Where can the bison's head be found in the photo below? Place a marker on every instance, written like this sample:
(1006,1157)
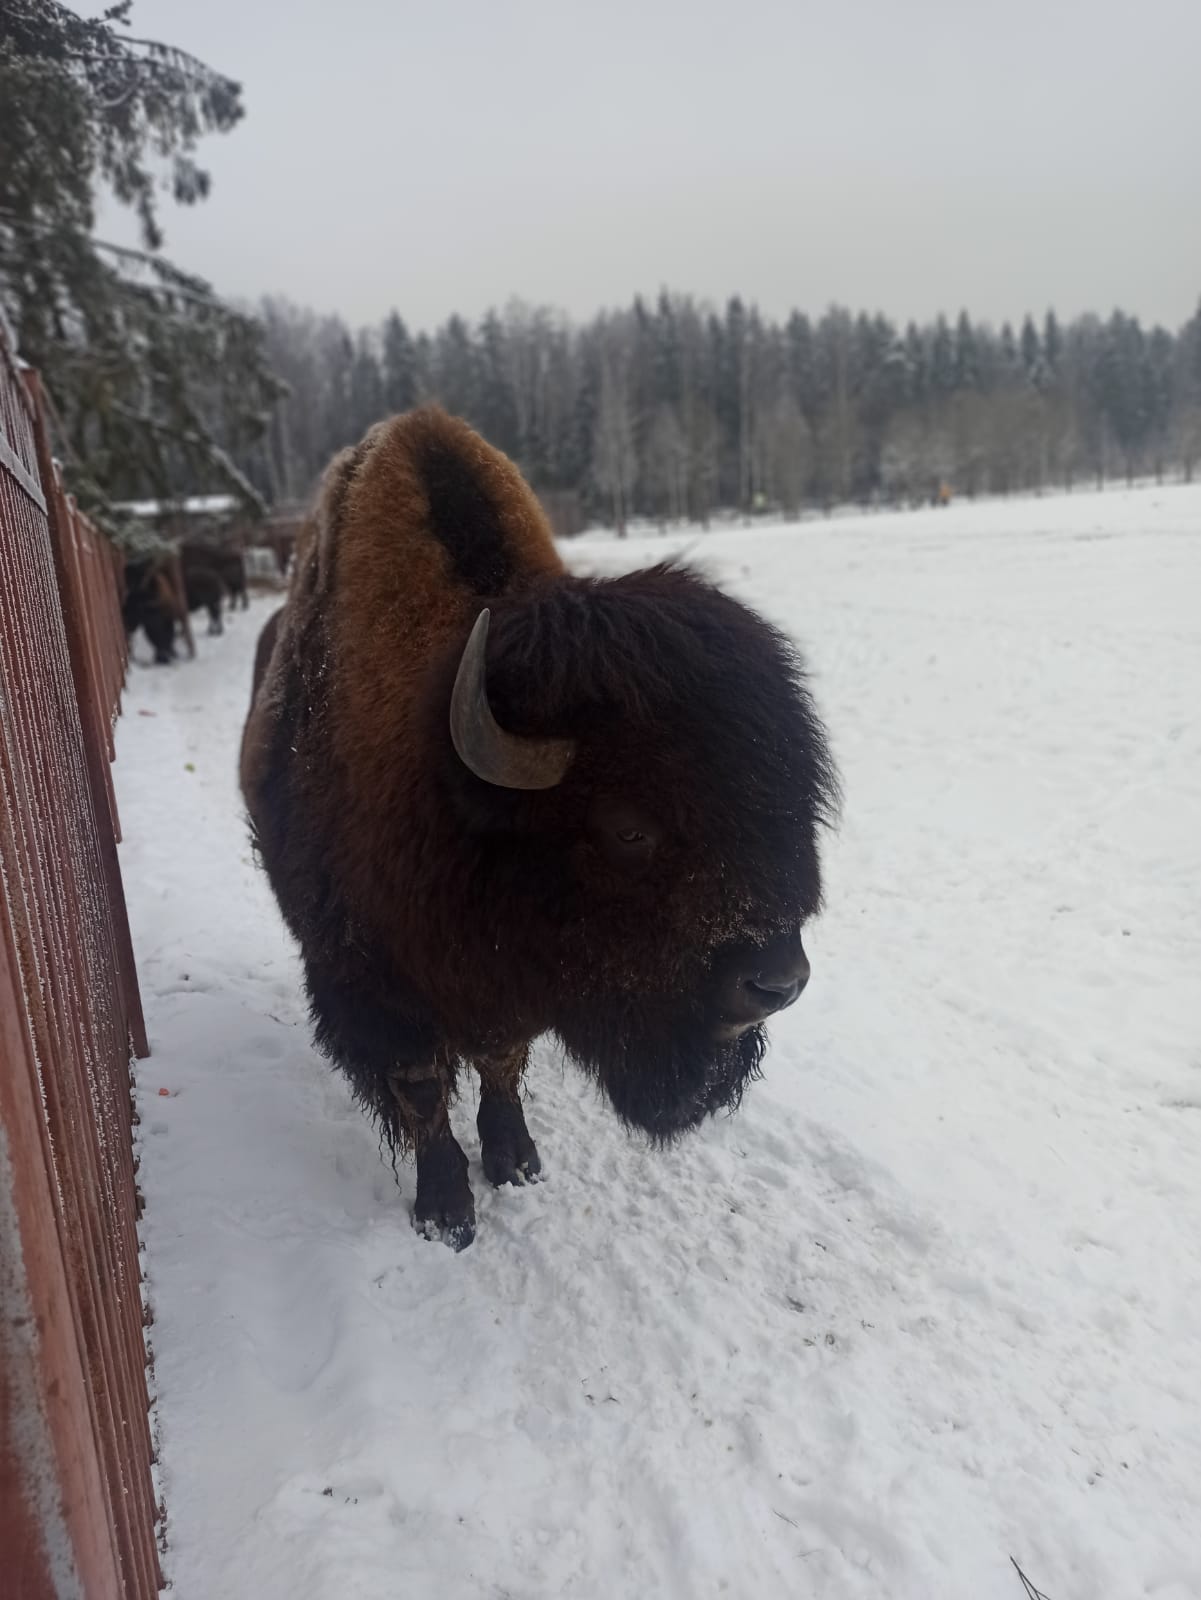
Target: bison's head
(643,775)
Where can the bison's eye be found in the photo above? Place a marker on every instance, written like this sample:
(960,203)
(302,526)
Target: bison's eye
(626,835)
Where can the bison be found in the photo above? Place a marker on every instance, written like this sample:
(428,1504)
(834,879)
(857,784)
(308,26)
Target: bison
(152,604)
(205,591)
(227,562)
(149,603)
(496,800)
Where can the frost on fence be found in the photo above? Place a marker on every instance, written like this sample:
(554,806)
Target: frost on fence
(69,1017)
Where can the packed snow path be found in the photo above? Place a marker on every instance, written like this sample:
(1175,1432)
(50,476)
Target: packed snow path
(930,1301)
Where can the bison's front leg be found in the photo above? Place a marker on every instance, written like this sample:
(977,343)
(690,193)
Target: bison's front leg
(402,1075)
(508,1153)
(445,1208)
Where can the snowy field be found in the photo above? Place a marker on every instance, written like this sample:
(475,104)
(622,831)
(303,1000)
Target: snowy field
(931,1301)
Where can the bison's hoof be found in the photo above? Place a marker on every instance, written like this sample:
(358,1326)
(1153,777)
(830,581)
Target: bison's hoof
(508,1153)
(445,1208)
(508,1162)
(449,1217)
(457,1233)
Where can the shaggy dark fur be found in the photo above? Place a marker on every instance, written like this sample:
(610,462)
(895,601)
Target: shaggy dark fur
(444,921)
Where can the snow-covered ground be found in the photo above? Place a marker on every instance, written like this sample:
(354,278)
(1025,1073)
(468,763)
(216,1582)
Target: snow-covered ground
(931,1301)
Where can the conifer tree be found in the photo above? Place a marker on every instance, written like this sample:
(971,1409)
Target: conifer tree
(398,363)
(158,386)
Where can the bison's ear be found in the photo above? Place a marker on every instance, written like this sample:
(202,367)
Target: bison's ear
(484,748)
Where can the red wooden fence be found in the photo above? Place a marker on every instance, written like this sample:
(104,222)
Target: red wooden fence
(77,1506)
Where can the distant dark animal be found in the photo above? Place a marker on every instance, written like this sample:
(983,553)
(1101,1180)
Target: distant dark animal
(227,562)
(233,575)
(149,604)
(205,592)
(495,800)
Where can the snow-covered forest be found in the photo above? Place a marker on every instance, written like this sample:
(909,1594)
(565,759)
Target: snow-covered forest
(671,409)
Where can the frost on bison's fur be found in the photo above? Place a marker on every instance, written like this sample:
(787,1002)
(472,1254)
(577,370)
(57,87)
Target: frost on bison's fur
(496,800)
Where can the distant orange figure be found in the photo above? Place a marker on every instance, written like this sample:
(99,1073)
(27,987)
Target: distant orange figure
(944,494)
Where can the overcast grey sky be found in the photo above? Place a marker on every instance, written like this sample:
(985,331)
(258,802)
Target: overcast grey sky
(906,155)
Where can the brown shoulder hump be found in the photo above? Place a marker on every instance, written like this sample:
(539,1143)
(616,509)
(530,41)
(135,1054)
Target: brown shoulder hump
(426,476)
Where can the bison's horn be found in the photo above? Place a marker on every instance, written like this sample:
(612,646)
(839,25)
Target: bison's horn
(483,746)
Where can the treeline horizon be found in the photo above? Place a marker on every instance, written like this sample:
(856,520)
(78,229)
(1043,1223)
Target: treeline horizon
(673,410)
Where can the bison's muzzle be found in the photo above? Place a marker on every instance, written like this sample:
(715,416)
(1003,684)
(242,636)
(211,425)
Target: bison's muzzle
(752,983)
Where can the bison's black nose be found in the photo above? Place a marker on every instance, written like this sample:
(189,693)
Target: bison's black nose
(753,982)
(773,996)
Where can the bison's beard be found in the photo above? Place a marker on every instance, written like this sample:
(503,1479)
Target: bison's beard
(661,1074)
